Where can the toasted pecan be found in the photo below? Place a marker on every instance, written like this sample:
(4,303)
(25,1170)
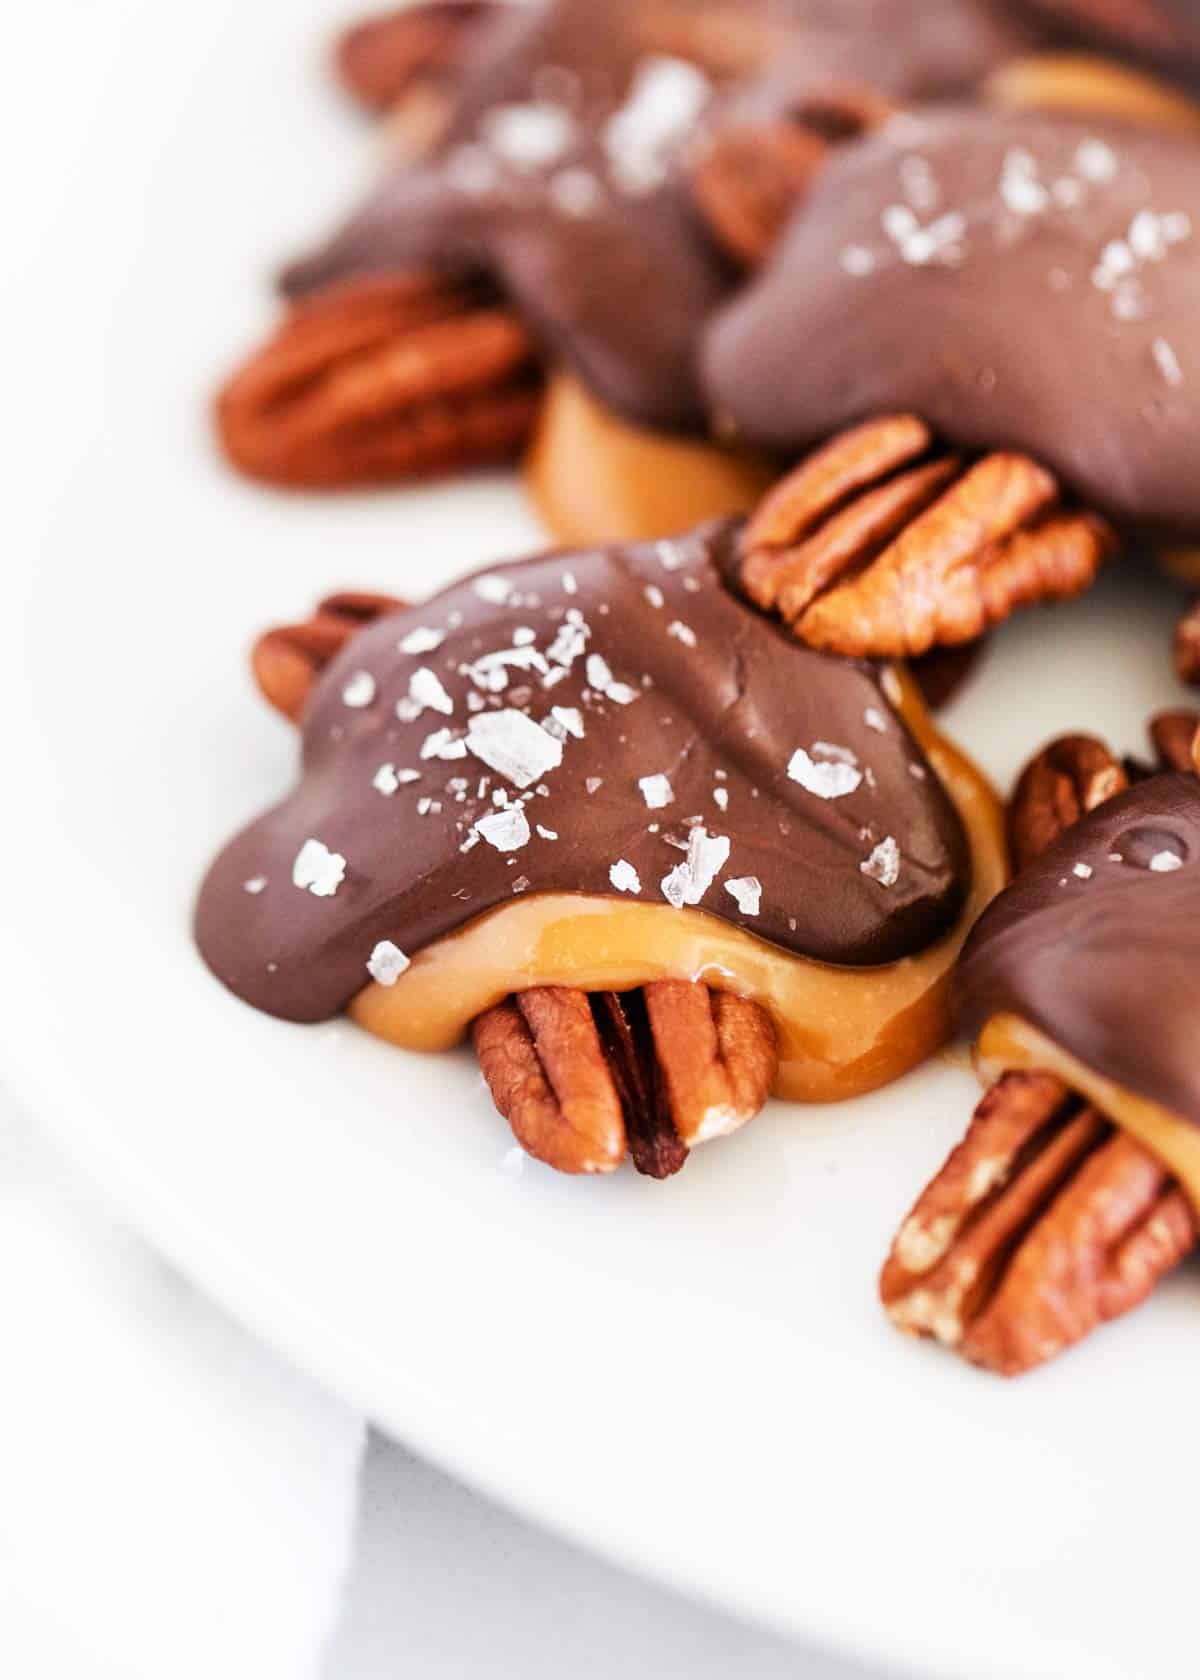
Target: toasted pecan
(379,380)
(1044,1223)
(1047,1220)
(286,661)
(1176,739)
(382,58)
(581,1079)
(749,171)
(1067,779)
(881,544)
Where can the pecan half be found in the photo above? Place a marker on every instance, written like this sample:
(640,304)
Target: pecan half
(287,661)
(383,58)
(1047,1220)
(582,1079)
(750,172)
(1187,645)
(376,381)
(1070,777)
(1044,1223)
(1176,738)
(882,544)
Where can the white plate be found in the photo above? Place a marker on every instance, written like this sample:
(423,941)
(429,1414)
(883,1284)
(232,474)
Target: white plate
(694,1378)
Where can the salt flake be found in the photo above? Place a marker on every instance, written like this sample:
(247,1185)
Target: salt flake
(514,746)
(387,963)
(830,780)
(318,870)
(624,877)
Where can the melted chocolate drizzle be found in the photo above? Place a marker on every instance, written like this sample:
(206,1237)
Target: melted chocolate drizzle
(1096,944)
(561,175)
(582,720)
(1046,274)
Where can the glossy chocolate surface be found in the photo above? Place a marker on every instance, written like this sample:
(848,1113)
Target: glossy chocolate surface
(1017,280)
(610,722)
(1096,944)
(562,171)
(1165,33)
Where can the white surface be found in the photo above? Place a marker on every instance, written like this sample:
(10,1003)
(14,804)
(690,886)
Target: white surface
(693,1378)
(447,1586)
(177,1500)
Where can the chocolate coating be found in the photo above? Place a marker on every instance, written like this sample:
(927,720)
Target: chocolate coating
(561,173)
(709,695)
(1102,955)
(1017,280)
(1163,33)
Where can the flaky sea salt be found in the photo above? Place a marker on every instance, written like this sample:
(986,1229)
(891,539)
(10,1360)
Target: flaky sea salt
(443,743)
(688,882)
(746,891)
(513,745)
(883,865)
(426,693)
(1167,361)
(422,640)
(387,963)
(827,780)
(318,870)
(493,588)
(506,829)
(624,877)
(359,691)
(656,791)
(255,885)
(528,137)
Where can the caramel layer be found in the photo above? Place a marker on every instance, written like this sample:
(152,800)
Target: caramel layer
(1081,84)
(1008,1043)
(841,1031)
(595,478)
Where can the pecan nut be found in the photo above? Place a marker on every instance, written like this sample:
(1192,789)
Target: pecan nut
(1067,779)
(882,544)
(749,171)
(288,660)
(383,58)
(584,1078)
(1187,646)
(1176,738)
(1047,1220)
(377,381)
(1044,1223)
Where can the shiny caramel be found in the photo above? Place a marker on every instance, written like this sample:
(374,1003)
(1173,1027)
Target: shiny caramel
(842,1031)
(1079,84)
(1009,1044)
(595,478)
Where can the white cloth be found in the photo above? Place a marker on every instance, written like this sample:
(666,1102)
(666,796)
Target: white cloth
(177,1504)
(174,1500)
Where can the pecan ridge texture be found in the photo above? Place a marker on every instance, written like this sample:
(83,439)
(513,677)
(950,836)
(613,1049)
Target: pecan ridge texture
(1047,1220)
(882,544)
(379,380)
